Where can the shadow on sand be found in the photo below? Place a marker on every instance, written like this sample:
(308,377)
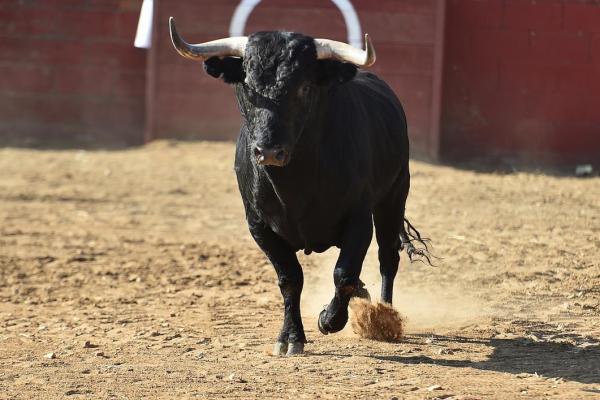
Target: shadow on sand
(546,351)
(517,356)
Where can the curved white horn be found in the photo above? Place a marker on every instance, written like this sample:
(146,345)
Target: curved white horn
(340,51)
(233,46)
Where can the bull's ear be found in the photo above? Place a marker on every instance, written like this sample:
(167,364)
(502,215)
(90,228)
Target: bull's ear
(332,71)
(230,69)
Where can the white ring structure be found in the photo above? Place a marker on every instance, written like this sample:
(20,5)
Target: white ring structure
(353,29)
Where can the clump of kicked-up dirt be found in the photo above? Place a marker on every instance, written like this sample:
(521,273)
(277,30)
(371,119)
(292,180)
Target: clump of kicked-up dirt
(377,321)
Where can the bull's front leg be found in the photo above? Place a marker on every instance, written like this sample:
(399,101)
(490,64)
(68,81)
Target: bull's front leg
(291,339)
(354,245)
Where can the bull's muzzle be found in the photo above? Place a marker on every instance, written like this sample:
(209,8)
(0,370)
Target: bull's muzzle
(276,156)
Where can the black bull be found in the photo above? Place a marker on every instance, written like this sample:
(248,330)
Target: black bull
(323,154)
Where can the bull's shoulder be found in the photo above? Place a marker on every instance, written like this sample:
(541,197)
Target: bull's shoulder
(366,81)
(367,105)
(368,128)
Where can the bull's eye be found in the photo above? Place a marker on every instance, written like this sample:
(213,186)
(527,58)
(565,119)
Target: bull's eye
(304,90)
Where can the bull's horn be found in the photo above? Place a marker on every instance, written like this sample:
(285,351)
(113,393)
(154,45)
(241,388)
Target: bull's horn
(233,46)
(327,48)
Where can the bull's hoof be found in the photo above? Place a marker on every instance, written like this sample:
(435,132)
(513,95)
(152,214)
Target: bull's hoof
(319,323)
(334,324)
(295,348)
(280,349)
(288,349)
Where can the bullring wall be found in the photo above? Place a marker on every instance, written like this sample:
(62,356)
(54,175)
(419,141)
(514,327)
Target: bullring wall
(522,81)
(69,74)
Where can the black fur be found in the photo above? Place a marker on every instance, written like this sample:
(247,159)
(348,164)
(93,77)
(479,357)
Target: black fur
(346,134)
(228,68)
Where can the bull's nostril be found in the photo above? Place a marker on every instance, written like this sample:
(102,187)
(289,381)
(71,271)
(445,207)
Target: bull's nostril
(280,155)
(257,151)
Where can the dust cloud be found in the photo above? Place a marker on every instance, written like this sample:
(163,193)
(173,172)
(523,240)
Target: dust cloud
(377,321)
(426,305)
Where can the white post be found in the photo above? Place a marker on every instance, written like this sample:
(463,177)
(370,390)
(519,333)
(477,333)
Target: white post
(143,36)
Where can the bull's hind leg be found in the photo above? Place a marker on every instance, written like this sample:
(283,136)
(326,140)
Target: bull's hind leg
(291,339)
(388,217)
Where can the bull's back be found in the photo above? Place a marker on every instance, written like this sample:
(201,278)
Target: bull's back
(371,119)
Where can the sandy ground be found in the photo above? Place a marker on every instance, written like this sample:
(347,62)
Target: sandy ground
(131,274)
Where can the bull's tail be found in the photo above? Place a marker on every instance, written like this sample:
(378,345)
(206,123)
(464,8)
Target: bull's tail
(410,235)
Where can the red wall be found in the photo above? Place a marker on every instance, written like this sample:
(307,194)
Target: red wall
(522,81)
(185,102)
(69,73)
(521,78)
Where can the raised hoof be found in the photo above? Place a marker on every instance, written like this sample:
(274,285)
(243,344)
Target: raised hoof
(321,328)
(295,348)
(280,349)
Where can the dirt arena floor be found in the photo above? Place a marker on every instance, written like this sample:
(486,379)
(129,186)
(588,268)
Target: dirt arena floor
(131,274)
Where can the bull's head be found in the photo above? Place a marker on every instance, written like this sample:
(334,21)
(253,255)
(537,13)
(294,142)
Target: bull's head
(279,79)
